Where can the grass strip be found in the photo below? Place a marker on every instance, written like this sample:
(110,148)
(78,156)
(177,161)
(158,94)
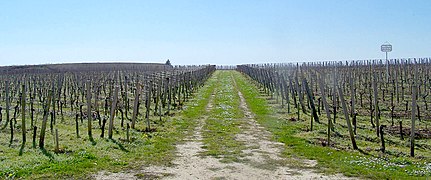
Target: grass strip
(223,121)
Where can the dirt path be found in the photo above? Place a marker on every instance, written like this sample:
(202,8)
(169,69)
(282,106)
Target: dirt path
(262,160)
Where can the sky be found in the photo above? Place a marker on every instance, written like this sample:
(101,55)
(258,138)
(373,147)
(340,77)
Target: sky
(222,32)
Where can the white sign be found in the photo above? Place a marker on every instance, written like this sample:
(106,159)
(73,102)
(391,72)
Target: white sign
(386,48)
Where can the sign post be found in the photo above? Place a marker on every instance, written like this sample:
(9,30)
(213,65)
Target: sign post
(386,47)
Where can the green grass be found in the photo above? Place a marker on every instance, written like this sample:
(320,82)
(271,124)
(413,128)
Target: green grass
(223,121)
(300,143)
(82,157)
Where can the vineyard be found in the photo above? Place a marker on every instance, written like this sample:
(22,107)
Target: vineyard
(375,107)
(65,104)
(368,118)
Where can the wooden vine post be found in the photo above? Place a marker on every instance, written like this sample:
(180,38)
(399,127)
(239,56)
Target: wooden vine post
(352,94)
(45,118)
(311,101)
(376,104)
(286,88)
(148,103)
(77,125)
(57,149)
(326,106)
(299,92)
(113,109)
(382,139)
(7,114)
(96,105)
(334,92)
(89,115)
(169,89)
(135,105)
(7,104)
(412,131)
(23,118)
(346,116)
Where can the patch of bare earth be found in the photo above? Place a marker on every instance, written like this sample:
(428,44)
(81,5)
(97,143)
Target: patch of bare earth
(261,160)
(263,155)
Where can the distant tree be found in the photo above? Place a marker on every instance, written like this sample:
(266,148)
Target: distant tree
(168,62)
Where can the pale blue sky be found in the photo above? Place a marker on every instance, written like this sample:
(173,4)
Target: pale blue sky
(211,31)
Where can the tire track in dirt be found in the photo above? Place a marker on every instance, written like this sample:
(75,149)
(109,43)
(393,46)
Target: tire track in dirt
(265,154)
(261,160)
